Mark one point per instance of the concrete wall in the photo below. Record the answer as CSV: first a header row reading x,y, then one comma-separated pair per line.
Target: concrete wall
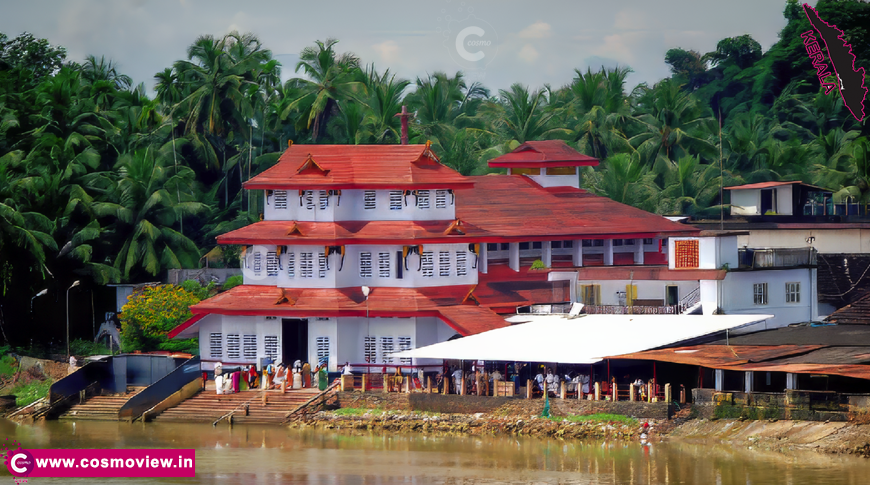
x,y
826,241
646,289
226,325
796,405
351,206
737,295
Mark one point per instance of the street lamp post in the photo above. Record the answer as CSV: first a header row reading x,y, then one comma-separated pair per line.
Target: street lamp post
x,y
76,283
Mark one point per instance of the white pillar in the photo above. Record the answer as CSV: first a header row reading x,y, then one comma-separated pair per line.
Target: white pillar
x,y
720,379
547,253
483,259
514,256
791,381
748,379
578,253
638,251
608,252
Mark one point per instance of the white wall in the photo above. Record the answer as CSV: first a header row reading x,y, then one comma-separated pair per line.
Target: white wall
x,y
825,240
745,202
783,200
351,206
714,252
236,325
737,295
351,332
556,180
646,289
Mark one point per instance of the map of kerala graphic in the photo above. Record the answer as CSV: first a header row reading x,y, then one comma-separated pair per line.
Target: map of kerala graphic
x,y
849,79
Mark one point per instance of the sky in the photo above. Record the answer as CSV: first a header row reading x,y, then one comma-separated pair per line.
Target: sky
x,y
495,42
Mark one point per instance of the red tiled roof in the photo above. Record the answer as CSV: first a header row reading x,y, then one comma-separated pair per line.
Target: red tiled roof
x,y
351,232
312,167
549,153
647,273
445,303
516,206
765,185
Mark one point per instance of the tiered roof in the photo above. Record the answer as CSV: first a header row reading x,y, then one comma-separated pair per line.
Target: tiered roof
x,y
548,153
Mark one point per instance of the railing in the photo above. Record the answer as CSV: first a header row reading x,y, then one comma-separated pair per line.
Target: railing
x,y
630,310
162,389
776,258
318,400
689,300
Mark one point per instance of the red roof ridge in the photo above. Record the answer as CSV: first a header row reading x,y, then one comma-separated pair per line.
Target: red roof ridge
x,y
470,296
295,229
427,156
311,166
454,228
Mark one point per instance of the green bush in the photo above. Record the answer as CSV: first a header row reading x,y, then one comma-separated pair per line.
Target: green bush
x,y
597,418
87,348
28,393
8,365
232,282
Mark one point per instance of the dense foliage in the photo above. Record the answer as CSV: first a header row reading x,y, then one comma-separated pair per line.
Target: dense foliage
x,y
151,313
101,183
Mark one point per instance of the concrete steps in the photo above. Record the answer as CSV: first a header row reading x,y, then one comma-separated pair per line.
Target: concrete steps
x,y
208,406
100,408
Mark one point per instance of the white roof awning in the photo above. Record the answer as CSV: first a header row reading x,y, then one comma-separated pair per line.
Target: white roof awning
x,y
585,339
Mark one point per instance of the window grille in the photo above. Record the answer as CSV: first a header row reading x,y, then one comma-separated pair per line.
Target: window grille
x,y
567,244
427,263
291,265
387,348
405,343
792,292
233,344
440,199
249,348
215,345
258,262
365,265
504,246
306,265
524,246
309,200
461,263
537,245
271,346
647,240
423,199
395,200
280,199
443,263
492,246
323,199
321,265
759,293
322,344
369,201
370,349
272,264
618,242
556,244
383,265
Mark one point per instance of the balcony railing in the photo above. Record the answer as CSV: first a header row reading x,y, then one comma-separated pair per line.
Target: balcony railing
x,y
630,310
776,258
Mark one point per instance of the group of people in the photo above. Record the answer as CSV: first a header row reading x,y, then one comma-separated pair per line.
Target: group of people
x,y
552,381
271,376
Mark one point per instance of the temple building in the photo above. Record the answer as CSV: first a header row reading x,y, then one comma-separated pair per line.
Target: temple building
x,y
365,250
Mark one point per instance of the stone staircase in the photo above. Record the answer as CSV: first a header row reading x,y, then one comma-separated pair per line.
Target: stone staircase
x,y
208,407
100,408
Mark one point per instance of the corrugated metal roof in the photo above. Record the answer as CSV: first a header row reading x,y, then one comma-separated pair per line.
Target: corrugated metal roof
x,y
719,356
831,335
444,302
358,167
858,313
830,355
547,153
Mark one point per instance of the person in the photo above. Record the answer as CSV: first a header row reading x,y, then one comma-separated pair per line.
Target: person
x,y
306,375
539,381
219,378
644,432
346,369
268,373
252,377
280,376
496,376
322,376
457,380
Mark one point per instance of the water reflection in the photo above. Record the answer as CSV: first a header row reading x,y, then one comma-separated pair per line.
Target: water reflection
x,y
276,455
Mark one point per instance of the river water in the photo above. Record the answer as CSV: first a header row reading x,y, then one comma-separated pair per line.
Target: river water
x,y
278,455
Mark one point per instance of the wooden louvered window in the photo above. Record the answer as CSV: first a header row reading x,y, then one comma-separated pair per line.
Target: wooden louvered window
x,y
405,343
272,264
309,200
258,263
686,254
461,263
291,265
365,265
249,347
280,199
440,199
306,265
233,346
423,199
427,264
322,344
215,345
387,348
370,349
383,265
321,265
323,199
444,263
396,200
369,199
270,344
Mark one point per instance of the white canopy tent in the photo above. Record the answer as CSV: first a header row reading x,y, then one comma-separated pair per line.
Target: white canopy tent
x,y
584,339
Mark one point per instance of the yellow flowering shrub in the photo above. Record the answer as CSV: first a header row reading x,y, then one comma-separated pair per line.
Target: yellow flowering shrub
x,y
150,313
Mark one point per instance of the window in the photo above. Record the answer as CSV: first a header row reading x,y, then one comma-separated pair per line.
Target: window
x,y
258,262
686,256
589,243
383,265
370,349
321,265
792,292
492,246
400,265
280,199
590,294
323,199
556,244
272,264
759,293
524,246
309,200
322,344
505,246
537,245
365,265
567,244
405,343
369,201
215,345
618,242
233,346
291,265
440,199
444,263
387,349
628,242
423,199
461,263
427,263
249,348
306,265
561,171
271,345
396,200
648,240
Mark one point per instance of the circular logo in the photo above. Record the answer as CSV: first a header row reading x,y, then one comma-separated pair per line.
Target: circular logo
x,y
472,42
20,463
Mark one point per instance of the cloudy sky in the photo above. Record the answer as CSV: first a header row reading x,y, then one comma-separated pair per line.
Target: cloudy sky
x,y
500,42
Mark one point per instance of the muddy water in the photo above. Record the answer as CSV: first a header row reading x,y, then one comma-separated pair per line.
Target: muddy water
x,y
276,455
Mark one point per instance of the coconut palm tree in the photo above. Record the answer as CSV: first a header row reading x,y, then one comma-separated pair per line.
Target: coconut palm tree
x,y
522,115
